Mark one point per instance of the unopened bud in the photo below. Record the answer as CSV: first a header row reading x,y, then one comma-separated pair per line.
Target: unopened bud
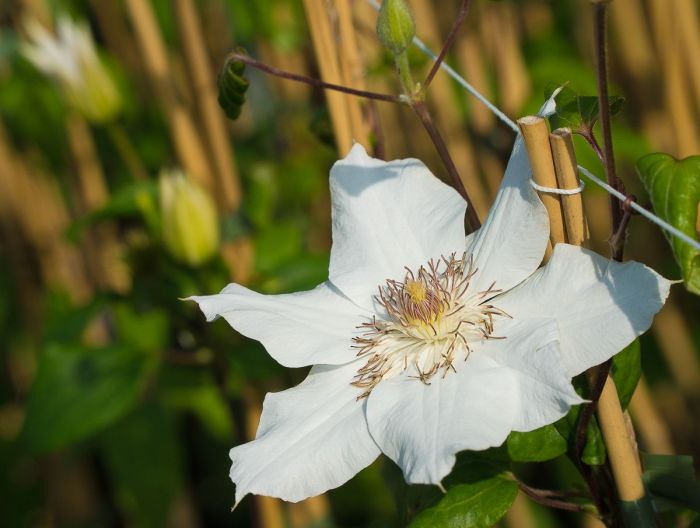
x,y
70,57
396,26
190,225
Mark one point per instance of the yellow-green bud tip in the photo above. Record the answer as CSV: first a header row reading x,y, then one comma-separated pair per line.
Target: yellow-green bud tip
x,y
396,26
190,225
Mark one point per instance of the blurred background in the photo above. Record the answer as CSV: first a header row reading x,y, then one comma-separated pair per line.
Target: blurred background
x,y
123,188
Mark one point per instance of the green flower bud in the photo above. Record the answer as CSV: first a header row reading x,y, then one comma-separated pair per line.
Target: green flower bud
x,y
190,225
396,26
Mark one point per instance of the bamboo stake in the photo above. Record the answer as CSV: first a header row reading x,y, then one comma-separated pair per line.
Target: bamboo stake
x,y
443,101
687,16
472,64
647,419
676,96
269,508
387,117
105,264
327,58
673,335
567,178
520,514
618,441
536,138
183,131
623,458
633,47
513,82
352,71
229,195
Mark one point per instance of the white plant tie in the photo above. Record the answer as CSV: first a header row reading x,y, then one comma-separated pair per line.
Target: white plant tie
x,y
513,126
555,190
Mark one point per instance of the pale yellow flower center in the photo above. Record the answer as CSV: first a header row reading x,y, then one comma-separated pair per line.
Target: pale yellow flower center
x,y
430,320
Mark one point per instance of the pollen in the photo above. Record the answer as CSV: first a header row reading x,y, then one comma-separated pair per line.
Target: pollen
x,y
430,320
416,291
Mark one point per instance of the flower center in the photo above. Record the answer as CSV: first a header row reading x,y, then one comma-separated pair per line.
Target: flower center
x,y
430,320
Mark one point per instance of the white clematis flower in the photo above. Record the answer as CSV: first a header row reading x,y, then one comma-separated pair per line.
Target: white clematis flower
x,y
426,342
70,57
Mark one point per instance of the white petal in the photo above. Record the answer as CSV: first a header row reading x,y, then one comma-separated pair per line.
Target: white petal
x,y
387,216
600,305
511,243
297,329
311,438
531,350
422,427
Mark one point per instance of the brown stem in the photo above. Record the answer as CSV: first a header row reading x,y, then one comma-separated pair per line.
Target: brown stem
x,y
461,16
616,212
421,110
311,81
544,497
591,140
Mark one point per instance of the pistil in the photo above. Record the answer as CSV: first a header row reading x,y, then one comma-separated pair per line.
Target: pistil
x,y
430,319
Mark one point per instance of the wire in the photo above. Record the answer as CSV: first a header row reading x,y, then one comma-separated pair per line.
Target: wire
x,y
513,126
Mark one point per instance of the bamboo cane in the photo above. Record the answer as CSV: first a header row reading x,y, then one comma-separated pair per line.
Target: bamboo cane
x,y
619,438
229,192
106,264
536,138
567,178
182,129
686,12
443,101
470,60
269,508
673,335
327,58
352,70
677,99
652,428
501,28
633,47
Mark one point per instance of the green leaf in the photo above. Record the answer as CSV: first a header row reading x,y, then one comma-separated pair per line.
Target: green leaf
x,y
277,245
594,453
144,463
232,87
138,199
79,391
539,445
194,390
578,112
626,371
476,505
144,331
671,481
674,188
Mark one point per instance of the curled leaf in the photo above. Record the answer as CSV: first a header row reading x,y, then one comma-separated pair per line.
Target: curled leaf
x,y
232,87
674,188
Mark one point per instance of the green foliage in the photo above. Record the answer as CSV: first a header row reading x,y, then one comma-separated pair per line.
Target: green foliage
x,y
594,453
79,391
143,459
232,87
539,445
626,371
671,481
193,390
674,188
135,200
476,505
578,112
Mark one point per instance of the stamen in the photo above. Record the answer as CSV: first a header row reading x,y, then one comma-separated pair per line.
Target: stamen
x,y
430,319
